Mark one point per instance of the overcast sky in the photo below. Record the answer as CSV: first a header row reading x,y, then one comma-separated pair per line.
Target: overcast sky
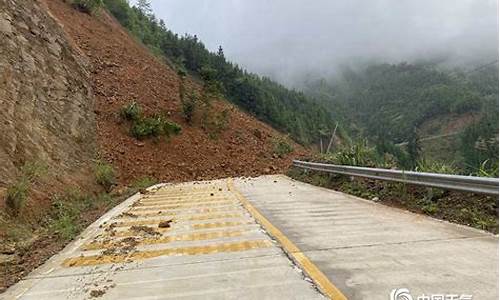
x,y
287,38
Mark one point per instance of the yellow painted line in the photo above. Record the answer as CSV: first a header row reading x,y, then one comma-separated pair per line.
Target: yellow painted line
x,y
319,278
218,225
198,226
195,210
175,194
188,197
187,205
201,217
141,255
194,200
168,239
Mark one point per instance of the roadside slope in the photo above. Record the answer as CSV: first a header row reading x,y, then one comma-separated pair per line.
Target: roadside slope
x,y
47,140
47,102
125,71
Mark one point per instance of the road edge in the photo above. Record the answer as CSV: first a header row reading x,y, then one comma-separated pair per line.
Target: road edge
x,y
318,277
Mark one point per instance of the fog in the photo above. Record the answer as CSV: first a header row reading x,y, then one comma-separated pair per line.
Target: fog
x,y
287,39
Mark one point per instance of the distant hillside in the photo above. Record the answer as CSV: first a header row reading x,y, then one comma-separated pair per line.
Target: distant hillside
x,y
408,103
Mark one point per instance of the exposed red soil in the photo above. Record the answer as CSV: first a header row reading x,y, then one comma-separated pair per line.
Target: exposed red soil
x,y
125,71
448,124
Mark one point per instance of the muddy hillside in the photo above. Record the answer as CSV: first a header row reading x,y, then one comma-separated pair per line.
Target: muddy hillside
x,y
124,72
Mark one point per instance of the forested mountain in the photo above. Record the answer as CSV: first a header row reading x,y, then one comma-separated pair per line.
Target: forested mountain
x,y
286,110
387,104
393,103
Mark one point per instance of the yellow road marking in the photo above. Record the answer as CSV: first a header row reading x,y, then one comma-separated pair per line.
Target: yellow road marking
x,y
300,258
186,205
177,194
196,211
194,200
198,226
168,239
201,217
219,225
183,198
198,250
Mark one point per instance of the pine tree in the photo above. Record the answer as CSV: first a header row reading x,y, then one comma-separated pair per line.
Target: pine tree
x,y
220,52
145,7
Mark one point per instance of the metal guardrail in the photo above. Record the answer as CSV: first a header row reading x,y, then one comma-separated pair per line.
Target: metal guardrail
x,y
480,185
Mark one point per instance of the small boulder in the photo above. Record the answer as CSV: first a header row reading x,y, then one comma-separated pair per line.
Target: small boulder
x,y
164,224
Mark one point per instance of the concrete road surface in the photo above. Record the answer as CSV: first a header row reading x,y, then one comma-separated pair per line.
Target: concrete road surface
x,y
264,238
368,249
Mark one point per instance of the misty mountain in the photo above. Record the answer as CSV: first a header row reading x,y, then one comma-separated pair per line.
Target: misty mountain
x,y
286,39
404,103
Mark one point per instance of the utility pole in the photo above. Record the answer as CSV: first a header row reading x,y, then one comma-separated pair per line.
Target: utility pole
x,y
331,139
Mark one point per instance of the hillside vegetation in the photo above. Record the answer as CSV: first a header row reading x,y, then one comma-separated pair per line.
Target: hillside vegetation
x,y
92,116
286,110
395,104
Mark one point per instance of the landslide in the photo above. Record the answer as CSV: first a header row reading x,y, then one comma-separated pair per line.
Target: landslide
x,y
124,71
64,77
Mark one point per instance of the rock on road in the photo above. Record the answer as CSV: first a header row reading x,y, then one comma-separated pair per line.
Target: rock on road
x,y
264,238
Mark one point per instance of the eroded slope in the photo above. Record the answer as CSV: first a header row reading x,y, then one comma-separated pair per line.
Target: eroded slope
x,y
125,71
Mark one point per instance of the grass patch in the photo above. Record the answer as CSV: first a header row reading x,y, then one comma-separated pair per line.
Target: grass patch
x,y
131,112
281,146
215,123
143,183
65,217
429,166
146,127
88,6
105,175
188,103
154,127
17,193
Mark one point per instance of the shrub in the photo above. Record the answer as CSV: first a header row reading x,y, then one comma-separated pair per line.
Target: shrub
x,y
189,106
147,127
143,183
181,70
65,213
154,127
358,154
131,112
66,226
488,168
281,147
105,175
430,208
429,166
17,193
65,216
88,6
215,123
